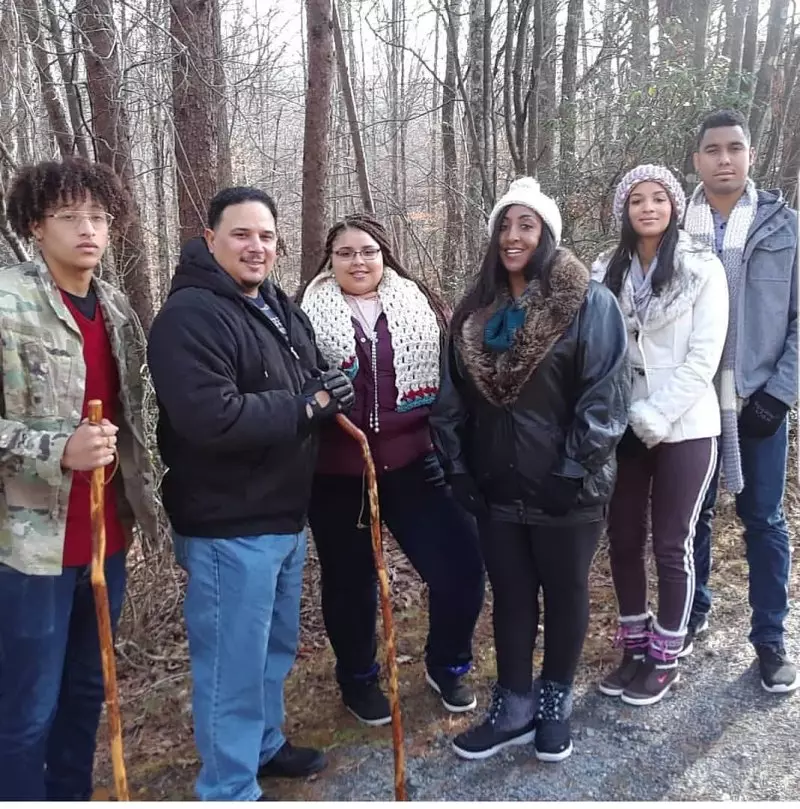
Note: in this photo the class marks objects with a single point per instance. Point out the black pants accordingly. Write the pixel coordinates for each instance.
(521, 560)
(438, 537)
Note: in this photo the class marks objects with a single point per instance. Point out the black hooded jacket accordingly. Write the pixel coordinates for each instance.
(556, 402)
(232, 428)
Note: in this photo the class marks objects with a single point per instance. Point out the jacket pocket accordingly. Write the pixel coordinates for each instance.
(772, 260)
(28, 388)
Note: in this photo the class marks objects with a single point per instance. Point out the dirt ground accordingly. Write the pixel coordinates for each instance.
(155, 683)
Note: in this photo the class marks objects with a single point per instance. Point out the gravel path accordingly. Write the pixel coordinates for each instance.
(717, 736)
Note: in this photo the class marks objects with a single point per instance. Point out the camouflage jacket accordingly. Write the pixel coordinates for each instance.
(42, 379)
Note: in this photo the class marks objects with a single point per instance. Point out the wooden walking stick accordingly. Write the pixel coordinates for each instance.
(100, 590)
(386, 607)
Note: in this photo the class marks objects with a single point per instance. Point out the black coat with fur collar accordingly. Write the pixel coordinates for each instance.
(555, 403)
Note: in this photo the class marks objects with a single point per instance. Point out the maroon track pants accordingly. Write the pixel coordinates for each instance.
(672, 479)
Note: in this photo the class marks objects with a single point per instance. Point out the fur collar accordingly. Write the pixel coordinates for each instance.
(500, 376)
(692, 265)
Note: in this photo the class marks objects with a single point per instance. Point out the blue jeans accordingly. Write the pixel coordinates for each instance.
(242, 613)
(760, 508)
(51, 680)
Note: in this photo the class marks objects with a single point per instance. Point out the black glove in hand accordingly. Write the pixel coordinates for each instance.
(340, 387)
(467, 493)
(320, 405)
(559, 494)
(762, 415)
(631, 446)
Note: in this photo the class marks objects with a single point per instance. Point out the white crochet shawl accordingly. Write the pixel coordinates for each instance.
(412, 324)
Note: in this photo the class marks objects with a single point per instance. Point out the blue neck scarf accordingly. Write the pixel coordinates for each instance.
(498, 334)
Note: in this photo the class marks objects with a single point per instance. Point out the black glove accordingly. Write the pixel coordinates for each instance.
(315, 393)
(340, 387)
(558, 494)
(467, 494)
(631, 446)
(762, 415)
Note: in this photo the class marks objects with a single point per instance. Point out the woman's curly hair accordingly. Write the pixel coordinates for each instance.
(37, 189)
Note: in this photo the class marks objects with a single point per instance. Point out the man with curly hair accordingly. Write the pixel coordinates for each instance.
(67, 338)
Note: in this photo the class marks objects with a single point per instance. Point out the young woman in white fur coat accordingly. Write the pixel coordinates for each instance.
(674, 296)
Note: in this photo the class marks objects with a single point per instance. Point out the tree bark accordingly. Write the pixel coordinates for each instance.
(66, 68)
(56, 113)
(352, 115)
(567, 113)
(640, 43)
(112, 143)
(749, 52)
(452, 253)
(315, 137)
(737, 23)
(778, 12)
(195, 110)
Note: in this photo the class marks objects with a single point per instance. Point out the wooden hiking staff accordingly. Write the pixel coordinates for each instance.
(100, 590)
(386, 607)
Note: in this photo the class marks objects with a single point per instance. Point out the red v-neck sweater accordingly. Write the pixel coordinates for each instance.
(102, 382)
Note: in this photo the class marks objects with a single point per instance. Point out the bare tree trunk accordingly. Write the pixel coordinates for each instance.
(791, 150)
(640, 42)
(736, 30)
(195, 110)
(779, 129)
(352, 115)
(476, 108)
(749, 52)
(57, 115)
(778, 12)
(112, 144)
(315, 138)
(66, 69)
(224, 165)
(700, 15)
(548, 107)
(452, 249)
(567, 113)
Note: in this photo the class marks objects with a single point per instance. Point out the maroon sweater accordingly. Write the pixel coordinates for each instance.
(402, 437)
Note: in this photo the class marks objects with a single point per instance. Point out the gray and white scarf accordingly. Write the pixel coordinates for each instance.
(700, 224)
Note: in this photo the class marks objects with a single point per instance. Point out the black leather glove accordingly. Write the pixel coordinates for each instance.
(631, 446)
(467, 494)
(558, 494)
(340, 387)
(315, 394)
(762, 415)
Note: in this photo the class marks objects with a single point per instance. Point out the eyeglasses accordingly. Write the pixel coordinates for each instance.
(74, 218)
(348, 254)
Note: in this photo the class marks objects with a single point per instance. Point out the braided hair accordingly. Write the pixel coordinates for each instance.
(371, 226)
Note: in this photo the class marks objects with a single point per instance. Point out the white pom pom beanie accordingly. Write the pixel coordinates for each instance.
(526, 191)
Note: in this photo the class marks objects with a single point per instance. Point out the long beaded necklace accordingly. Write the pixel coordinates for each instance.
(368, 315)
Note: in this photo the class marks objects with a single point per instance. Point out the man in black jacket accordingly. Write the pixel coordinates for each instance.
(241, 391)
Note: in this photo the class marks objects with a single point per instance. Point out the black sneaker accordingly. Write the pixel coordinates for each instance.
(456, 695)
(509, 721)
(615, 682)
(293, 762)
(367, 703)
(652, 682)
(778, 673)
(553, 735)
(692, 631)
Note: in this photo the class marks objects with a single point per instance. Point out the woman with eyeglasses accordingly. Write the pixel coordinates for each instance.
(385, 330)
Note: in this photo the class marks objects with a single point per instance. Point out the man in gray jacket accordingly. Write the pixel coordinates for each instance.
(755, 235)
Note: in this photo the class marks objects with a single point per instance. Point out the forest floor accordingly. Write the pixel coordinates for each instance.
(716, 736)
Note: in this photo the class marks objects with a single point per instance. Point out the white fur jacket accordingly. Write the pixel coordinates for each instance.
(675, 350)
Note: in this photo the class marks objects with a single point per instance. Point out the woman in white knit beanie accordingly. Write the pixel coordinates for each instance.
(532, 403)
(674, 296)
